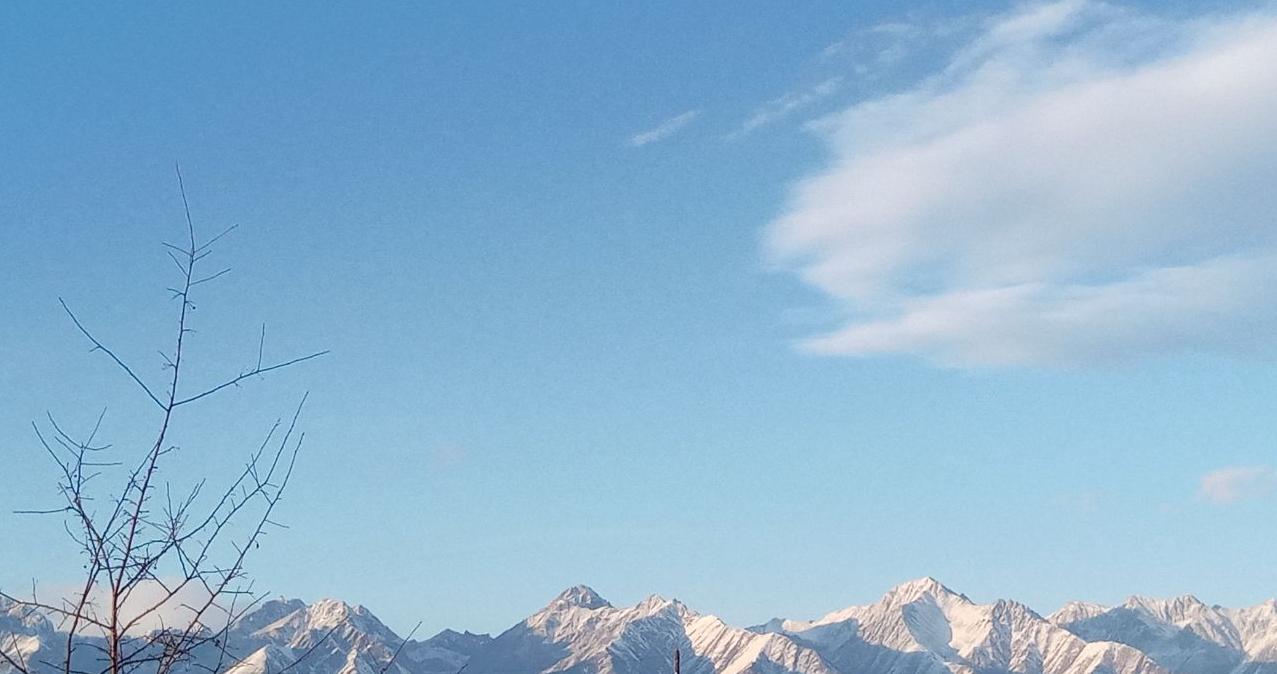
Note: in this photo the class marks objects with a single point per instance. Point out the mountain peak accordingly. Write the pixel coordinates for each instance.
(656, 602)
(458, 641)
(332, 609)
(328, 614)
(1075, 611)
(17, 618)
(1189, 600)
(926, 581)
(268, 613)
(920, 586)
(449, 633)
(582, 596)
(925, 587)
(1155, 605)
(773, 626)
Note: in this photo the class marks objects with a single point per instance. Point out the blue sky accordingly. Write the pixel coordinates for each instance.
(763, 306)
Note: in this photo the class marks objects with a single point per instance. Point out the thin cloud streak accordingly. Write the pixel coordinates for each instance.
(665, 129)
(783, 106)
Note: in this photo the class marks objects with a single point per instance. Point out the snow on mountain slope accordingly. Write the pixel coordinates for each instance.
(923, 627)
(267, 612)
(1257, 628)
(735, 651)
(16, 619)
(919, 627)
(340, 623)
(579, 632)
(334, 637)
(1185, 635)
(263, 661)
(23, 633)
(1075, 611)
(445, 653)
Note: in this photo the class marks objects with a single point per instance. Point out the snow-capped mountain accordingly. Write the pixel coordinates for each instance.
(580, 632)
(923, 627)
(445, 653)
(919, 627)
(339, 638)
(1183, 634)
(23, 633)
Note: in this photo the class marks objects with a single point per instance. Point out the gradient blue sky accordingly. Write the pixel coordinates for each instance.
(602, 308)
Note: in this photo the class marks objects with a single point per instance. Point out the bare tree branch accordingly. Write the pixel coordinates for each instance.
(20, 664)
(251, 373)
(296, 661)
(144, 537)
(395, 655)
(101, 347)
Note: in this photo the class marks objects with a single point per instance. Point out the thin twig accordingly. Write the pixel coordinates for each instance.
(251, 373)
(296, 661)
(403, 643)
(101, 347)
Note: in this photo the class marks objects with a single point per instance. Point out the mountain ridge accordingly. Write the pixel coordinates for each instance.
(917, 627)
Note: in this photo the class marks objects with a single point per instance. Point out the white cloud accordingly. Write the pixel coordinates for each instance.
(1079, 184)
(665, 129)
(1236, 483)
(150, 605)
(783, 106)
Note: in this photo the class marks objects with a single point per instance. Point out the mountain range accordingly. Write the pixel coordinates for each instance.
(919, 627)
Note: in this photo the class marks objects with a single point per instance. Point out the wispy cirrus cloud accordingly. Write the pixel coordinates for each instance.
(665, 129)
(783, 106)
(1237, 483)
(894, 30)
(1077, 184)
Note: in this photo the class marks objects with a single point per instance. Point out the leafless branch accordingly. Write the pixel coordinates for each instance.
(142, 532)
(101, 347)
(296, 661)
(251, 373)
(395, 655)
(20, 664)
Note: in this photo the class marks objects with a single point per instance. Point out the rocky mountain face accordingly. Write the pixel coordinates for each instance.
(919, 627)
(580, 633)
(1183, 634)
(922, 627)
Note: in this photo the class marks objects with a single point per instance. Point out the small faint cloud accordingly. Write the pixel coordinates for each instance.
(783, 106)
(665, 129)
(1237, 483)
(866, 53)
(891, 30)
(895, 28)
(870, 53)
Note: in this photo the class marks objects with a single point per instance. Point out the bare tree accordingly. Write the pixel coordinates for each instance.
(151, 551)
